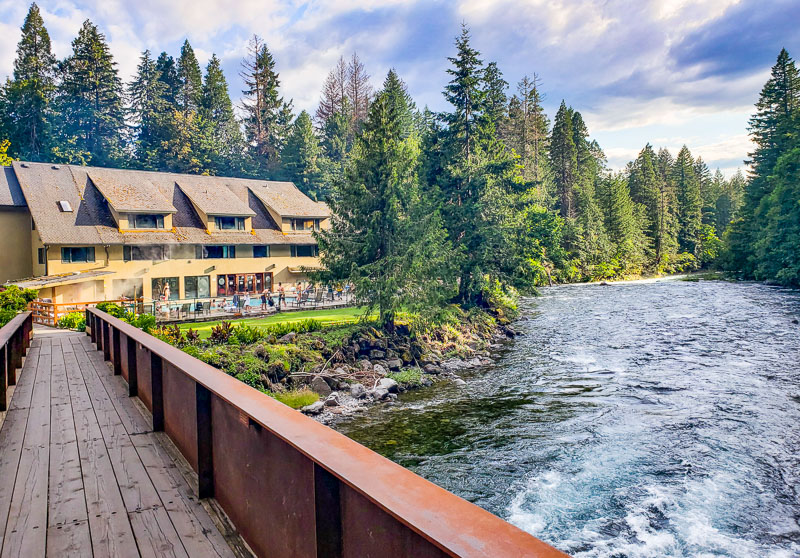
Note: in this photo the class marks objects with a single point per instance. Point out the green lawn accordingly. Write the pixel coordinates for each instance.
(333, 315)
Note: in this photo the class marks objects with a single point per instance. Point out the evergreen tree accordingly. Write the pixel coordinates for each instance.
(28, 111)
(186, 148)
(190, 80)
(689, 201)
(300, 158)
(359, 91)
(216, 110)
(89, 99)
(526, 131)
(496, 99)
(729, 201)
(379, 238)
(267, 115)
(168, 74)
(148, 112)
(334, 93)
(564, 161)
(625, 225)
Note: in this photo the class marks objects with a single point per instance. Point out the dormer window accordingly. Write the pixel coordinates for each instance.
(230, 223)
(305, 224)
(146, 221)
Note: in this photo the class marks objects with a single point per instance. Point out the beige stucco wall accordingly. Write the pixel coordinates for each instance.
(15, 230)
(183, 263)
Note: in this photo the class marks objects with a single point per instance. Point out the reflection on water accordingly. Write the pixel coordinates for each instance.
(639, 419)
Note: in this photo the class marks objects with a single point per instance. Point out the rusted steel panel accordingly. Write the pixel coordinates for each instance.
(123, 356)
(369, 532)
(145, 389)
(180, 416)
(264, 485)
(264, 455)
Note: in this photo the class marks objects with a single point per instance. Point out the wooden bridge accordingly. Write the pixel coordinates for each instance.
(138, 449)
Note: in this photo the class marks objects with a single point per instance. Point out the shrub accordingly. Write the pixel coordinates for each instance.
(112, 309)
(297, 399)
(145, 322)
(172, 335)
(304, 326)
(221, 333)
(407, 377)
(73, 320)
(247, 335)
(14, 298)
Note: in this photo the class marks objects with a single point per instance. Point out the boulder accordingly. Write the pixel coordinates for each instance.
(431, 369)
(407, 357)
(388, 384)
(358, 391)
(379, 370)
(320, 386)
(426, 382)
(340, 371)
(378, 394)
(365, 365)
(476, 362)
(394, 364)
(288, 338)
(313, 409)
(459, 382)
(376, 354)
(332, 400)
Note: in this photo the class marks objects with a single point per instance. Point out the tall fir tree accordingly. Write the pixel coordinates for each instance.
(564, 161)
(29, 96)
(687, 188)
(496, 98)
(379, 238)
(267, 115)
(359, 90)
(89, 99)
(334, 92)
(148, 112)
(190, 80)
(216, 110)
(300, 158)
(168, 74)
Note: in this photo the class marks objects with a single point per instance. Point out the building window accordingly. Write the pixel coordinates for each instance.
(305, 224)
(305, 251)
(261, 251)
(146, 221)
(77, 255)
(216, 252)
(40, 253)
(165, 288)
(145, 253)
(230, 223)
(197, 286)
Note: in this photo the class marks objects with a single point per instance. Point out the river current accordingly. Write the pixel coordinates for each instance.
(642, 419)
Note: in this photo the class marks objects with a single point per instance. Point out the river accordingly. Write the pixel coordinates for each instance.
(642, 419)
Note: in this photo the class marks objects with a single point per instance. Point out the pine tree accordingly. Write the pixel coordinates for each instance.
(379, 239)
(300, 158)
(148, 112)
(89, 99)
(564, 161)
(190, 80)
(168, 74)
(216, 110)
(526, 131)
(624, 225)
(689, 202)
(29, 96)
(359, 91)
(267, 115)
(334, 92)
(496, 98)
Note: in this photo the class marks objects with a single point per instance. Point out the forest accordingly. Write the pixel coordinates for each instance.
(486, 196)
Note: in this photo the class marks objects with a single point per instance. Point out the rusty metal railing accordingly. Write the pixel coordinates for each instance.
(291, 486)
(15, 338)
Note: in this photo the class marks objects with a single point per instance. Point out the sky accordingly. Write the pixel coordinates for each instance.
(668, 72)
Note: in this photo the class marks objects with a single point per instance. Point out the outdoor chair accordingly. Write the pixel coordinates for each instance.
(302, 299)
(206, 308)
(318, 297)
(184, 310)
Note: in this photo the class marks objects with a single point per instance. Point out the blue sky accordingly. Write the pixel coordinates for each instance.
(668, 72)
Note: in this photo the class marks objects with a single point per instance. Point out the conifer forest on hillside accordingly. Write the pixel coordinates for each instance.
(489, 195)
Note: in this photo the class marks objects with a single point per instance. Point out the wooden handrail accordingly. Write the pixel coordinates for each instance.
(15, 338)
(48, 313)
(290, 485)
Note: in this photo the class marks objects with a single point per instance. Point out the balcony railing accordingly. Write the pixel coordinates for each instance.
(291, 486)
(15, 337)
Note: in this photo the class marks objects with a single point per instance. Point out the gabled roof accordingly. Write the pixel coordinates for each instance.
(213, 198)
(287, 200)
(90, 222)
(10, 192)
(130, 191)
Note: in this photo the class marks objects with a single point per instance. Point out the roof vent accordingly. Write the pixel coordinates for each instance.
(55, 167)
(64, 206)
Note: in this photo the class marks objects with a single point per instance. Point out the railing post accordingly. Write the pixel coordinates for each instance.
(16, 359)
(133, 377)
(156, 384)
(11, 376)
(328, 514)
(106, 340)
(116, 356)
(3, 380)
(89, 323)
(205, 454)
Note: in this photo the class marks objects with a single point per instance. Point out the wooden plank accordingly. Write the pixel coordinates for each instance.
(155, 533)
(67, 520)
(197, 531)
(26, 528)
(110, 528)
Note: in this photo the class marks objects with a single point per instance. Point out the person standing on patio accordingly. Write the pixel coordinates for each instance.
(281, 295)
(264, 300)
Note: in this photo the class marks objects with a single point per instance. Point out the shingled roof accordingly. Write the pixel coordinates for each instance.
(90, 222)
(287, 200)
(130, 191)
(212, 198)
(10, 192)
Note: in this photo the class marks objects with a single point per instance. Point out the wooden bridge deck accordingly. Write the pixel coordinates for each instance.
(83, 474)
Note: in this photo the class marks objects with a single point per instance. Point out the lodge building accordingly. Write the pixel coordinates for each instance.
(87, 233)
